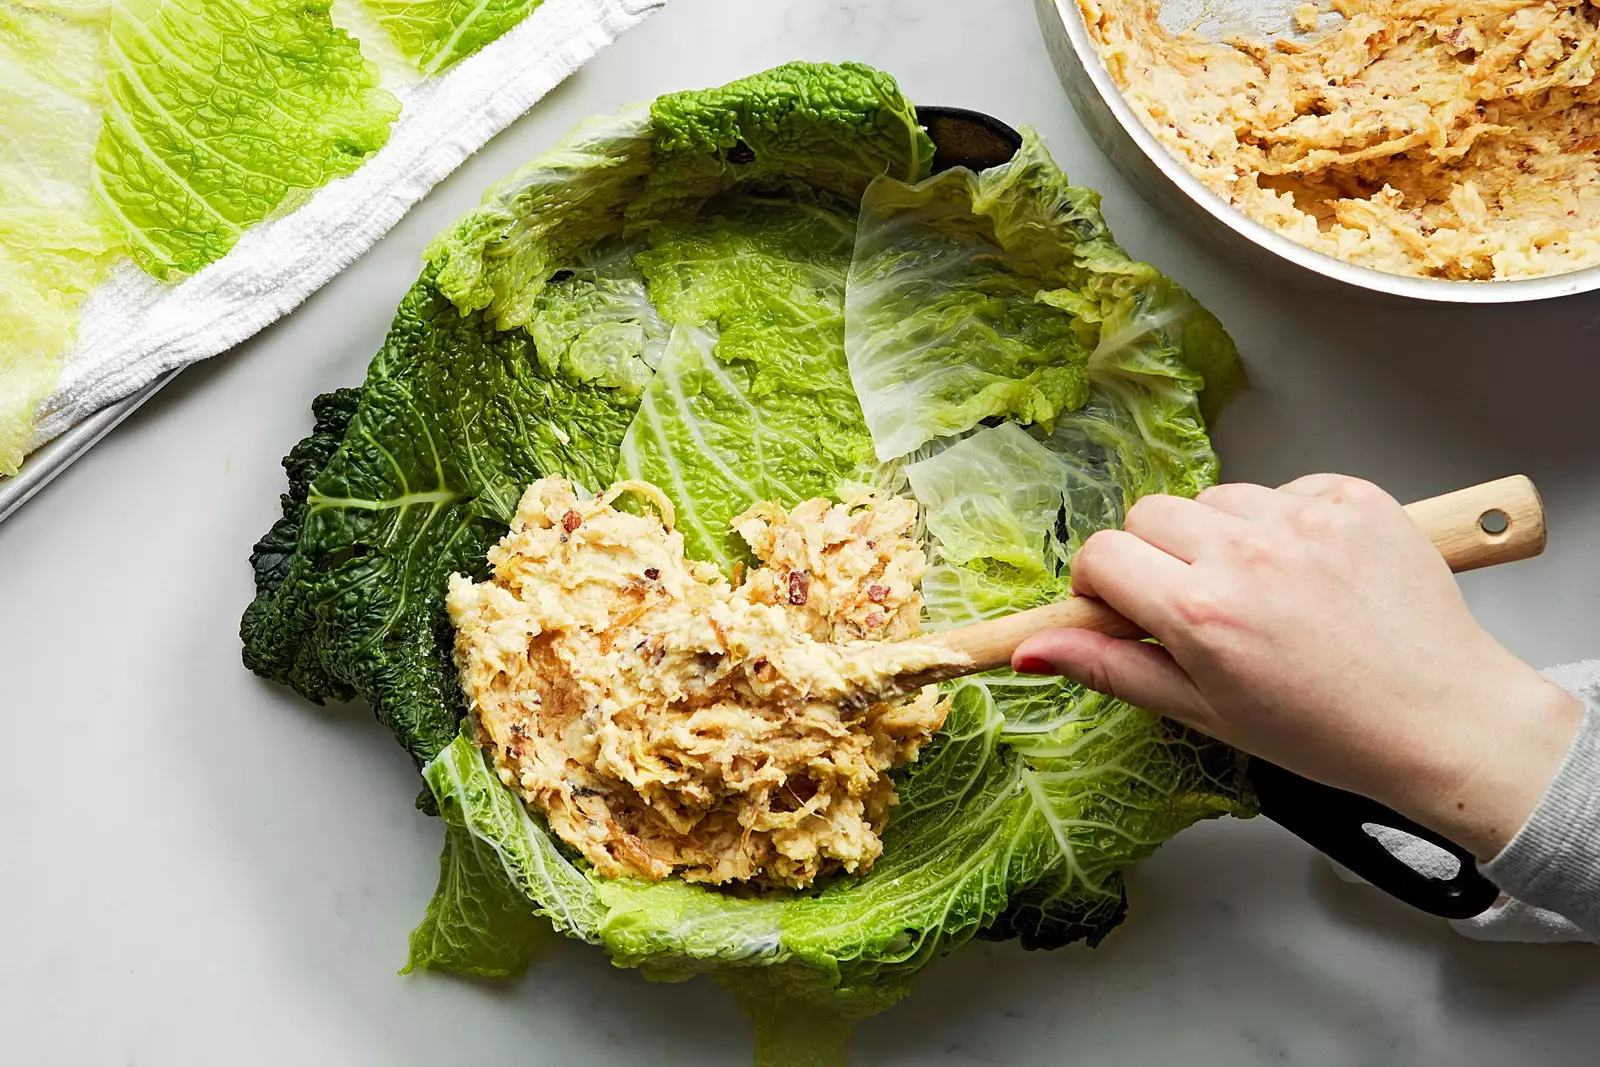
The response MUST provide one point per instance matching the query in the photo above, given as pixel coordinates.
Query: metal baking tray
(42, 466)
(1164, 181)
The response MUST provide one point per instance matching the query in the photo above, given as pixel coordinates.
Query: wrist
(1506, 741)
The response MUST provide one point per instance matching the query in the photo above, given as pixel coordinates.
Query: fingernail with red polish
(1035, 665)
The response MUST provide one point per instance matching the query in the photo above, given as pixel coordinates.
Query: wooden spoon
(1496, 522)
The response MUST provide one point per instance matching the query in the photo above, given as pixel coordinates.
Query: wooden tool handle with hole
(1496, 522)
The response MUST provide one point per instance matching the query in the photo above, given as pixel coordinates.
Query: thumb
(1139, 672)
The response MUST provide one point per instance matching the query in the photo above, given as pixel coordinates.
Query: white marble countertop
(201, 868)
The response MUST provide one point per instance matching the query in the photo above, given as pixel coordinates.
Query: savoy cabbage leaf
(503, 884)
(994, 495)
(999, 294)
(222, 113)
(752, 400)
(478, 921)
(454, 420)
(595, 323)
(55, 245)
(435, 34)
(839, 126)
(542, 218)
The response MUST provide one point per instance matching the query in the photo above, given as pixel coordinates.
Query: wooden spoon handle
(1496, 522)
(1482, 525)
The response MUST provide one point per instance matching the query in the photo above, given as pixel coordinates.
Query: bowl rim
(1438, 290)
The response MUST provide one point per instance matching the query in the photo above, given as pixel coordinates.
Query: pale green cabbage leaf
(222, 113)
(218, 114)
(618, 176)
(955, 295)
(994, 495)
(434, 34)
(595, 324)
(55, 245)
(753, 399)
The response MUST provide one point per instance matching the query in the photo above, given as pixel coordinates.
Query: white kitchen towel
(1508, 919)
(134, 329)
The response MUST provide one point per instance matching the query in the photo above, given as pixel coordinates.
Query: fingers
(1143, 674)
(1328, 507)
(1336, 489)
(1131, 575)
(1179, 526)
(1246, 500)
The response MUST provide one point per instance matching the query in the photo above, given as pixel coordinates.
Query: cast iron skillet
(1330, 820)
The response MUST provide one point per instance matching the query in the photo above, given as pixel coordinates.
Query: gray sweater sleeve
(1554, 860)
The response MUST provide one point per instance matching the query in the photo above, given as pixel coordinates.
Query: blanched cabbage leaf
(543, 218)
(753, 399)
(54, 244)
(1019, 819)
(993, 496)
(840, 126)
(222, 113)
(166, 128)
(596, 324)
(479, 921)
(956, 300)
(434, 34)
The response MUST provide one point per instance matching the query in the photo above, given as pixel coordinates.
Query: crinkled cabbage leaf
(956, 293)
(420, 476)
(752, 400)
(434, 34)
(218, 114)
(664, 295)
(222, 113)
(54, 243)
(838, 126)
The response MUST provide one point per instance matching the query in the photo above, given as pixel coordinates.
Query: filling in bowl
(1432, 138)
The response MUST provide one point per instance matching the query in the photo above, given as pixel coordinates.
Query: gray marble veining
(199, 867)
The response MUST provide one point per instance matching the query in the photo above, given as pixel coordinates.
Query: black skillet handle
(1332, 821)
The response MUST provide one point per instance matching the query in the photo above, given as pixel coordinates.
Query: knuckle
(1312, 519)
(1114, 672)
(1205, 609)
(1142, 511)
(1096, 545)
(1102, 677)
(1346, 491)
(1224, 492)
(1308, 484)
(1087, 558)
(1253, 549)
(1360, 491)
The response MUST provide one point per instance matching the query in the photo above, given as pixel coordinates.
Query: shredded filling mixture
(1440, 138)
(667, 721)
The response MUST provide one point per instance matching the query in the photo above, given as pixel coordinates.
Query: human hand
(1317, 627)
